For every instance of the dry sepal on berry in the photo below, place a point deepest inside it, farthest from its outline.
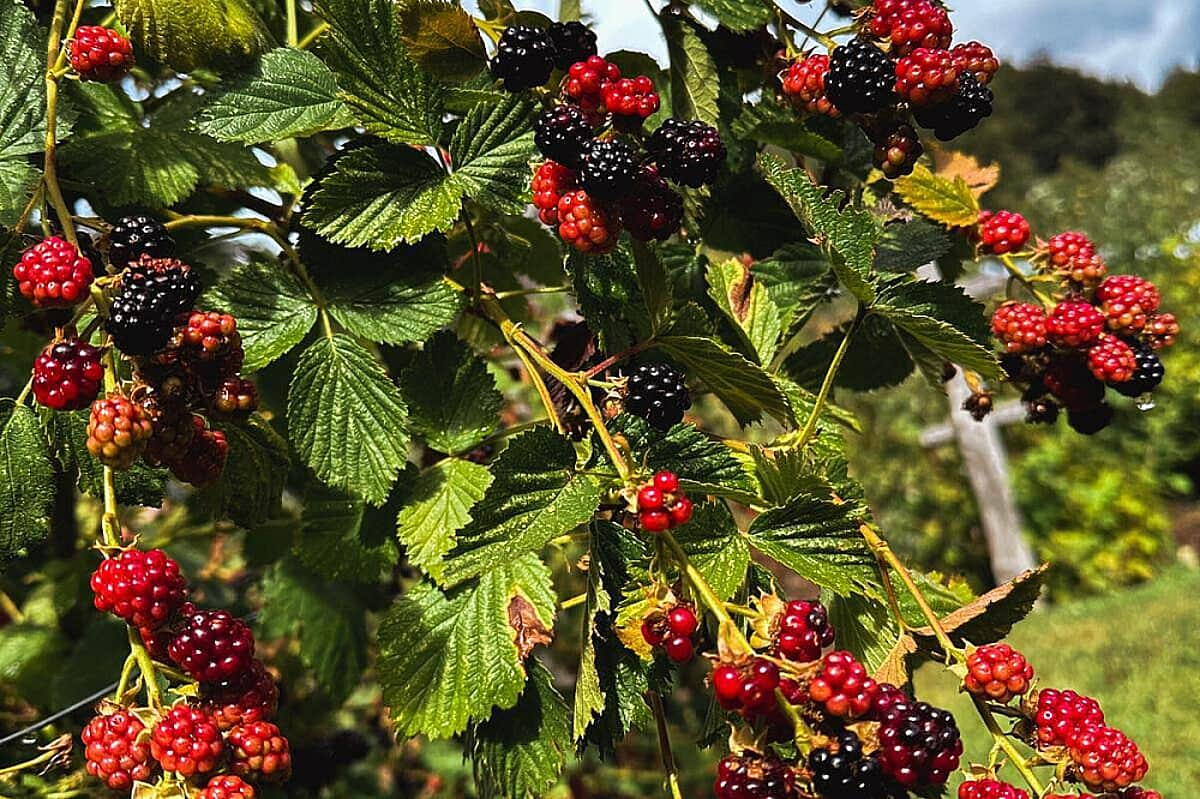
(919, 744)
(1112, 360)
(186, 740)
(661, 505)
(259, 752)
(976, 59)
(1127, 301)
(909, 24)
(688, 153)
(227, 786)
(67, 375)
(630, 101)
(843, 686)
(1105, 759)
(997, 672)
(245, 698)
(673, 631)
(586, 80)
(116, 750)
(143, 587)
(1020, 325)
(524, 58)
(804, 630)
(1075, 323)
(586, 224)
(211, 645)
(804, 84)
(861, 78)
(551, 181)
(926, 76)
(990, 789)
(1060, 715)
(751, 776)
(53, 273)
(1002, 232)
(118, 431)
(100, 54)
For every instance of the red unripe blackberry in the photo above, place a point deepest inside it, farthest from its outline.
(750, 776)
(562, 133)
(1112, 360)
(174, 427)
(688, 153)
(976, 59)
(804, 630)
(654, 521)
(236, 397)
(53, 273)
(118, 431)
(227, 786)
(804, 85)
(997, 672)
(909, 24)
(886, 697)
(259, 752)
(587, 225)
(1074, 257)
(843, 686)
(100, 54)
(757, 694)
(667, 482)
(572, 40)
(961, 112)
(650, 498)
(681, 511)
(679, 649)
(652, 210)
(1002, 232)
(1073, 384)
(205, 457)
(186, 740)
(1062, 714)
(212, 645)
(1075, 323)
(861, 78)
(144, 588)
(682, 621)
(1138, 792)
(926, 76)
(209, 335)
(1162, 330)
(630, 101)
(727, 685)
(919, 744)
(897, 150)
(1020, 325)
(67, 375)
(1105, 759)
(990, 789)
(660, 504)
(1127, 301)
(1147, 375)
(114, 754)
(242, 699)
(652, 633)
(524, 58)
(586, 80)
(550, 182)
(135, 236)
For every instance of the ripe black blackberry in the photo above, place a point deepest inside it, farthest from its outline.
(690, 153)
(960, 113)
(754, 777)
(524, 58)
(573, 41)
(657, 393)
(861, 78)
(1148, 375)
(652, 210)
(143, 314)
(1090, 421)
(134, 236)
(608, 169)
(846, 773)
(919, 745)
(562, 134)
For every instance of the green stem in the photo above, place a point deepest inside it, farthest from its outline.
(814, 418)
(126, 673)
(504, 295)
(573, 602)
(146, 667)
(540, 386)
(1001, 740)
(50, 166)
(24, 395)
(293, 32)
(1023, 279)
(704, 591)
(664, 743)
(311, 36)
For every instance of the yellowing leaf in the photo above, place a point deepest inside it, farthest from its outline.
(946, 200)
(981, 179)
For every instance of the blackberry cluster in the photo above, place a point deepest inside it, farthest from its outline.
(754, 777)
(135, 236)
(607, 169)
(688, 153)
(661, 505)
(144, 314)
(843, 771)
(672, 630)
(861, 78)
(803, 631)
(657, 393)
(918, 744)
(562, 134)
(525, 55)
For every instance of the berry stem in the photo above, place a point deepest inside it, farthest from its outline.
(539, 384)
(1023, 279)
(312, 36)
(572, 602)
(1002, 741)
(504, 295)
(25, 392)
(50, 166)
(146, 667)
(654, 700)
(705, 592)
(810, 426)
(810, 33)
(293, 31)
(612, 359)
(59, 66)
(123, 683)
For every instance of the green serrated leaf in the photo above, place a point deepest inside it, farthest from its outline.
(772, 123)
(438, 506)
(748, 304)
(393, 308)
(274, 311)
(26, 481)
(875, 359)
(694, 80)
(289, 93)
(610, 296)
(448, 658)
(491, 150)
(799, 278)
(910, 245)
(519, 752)
(251, 486)
(452, 398)
(201, 33)
(847, 235)
(329, 620)
(744, 387)
(67, 433)
(866, 628)
(704, 466)
(944, 319)
(655, 285)
(716, 547)
(737, 15)
(391, 95)
(331, 541)
(820, 541)
(533, 498)
(347, 419)
(442, 38)
(589, 696)
(950, 202)
(22, 82)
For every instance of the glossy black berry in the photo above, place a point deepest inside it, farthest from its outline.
(145, 311)
(689, 153)
(524, 58)
(134, 236)
(573, 41)
(919, 745)
(608, 169)
(652, 210)
(846, 773)
(658, 394)
(861, 78)
(960, 113)
(1041, 410)
(1090, 421)
(1148, 375)
(562, 134)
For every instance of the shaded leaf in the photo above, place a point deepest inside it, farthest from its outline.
(251, 486)
(908, 246)
(442, 38)
(273, 310)
(744, 387)
(944, 319)
(200, 33)
(26, 481)
(452, 398)
(716, 547)
(331, 542)
(704, 466)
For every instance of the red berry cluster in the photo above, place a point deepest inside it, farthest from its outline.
(661, 505)
(804, 630)
(54, 273)
(100, 54)
(843, 686)
(673, 631)
(1002, 232)
(997, 672)
(804, 84)
(749, 689)
(990, 789)
(225, 726)
(67, 375)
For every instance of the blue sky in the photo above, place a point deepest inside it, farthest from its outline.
(1135, 40)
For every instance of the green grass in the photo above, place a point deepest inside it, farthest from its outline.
(1137, 652)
